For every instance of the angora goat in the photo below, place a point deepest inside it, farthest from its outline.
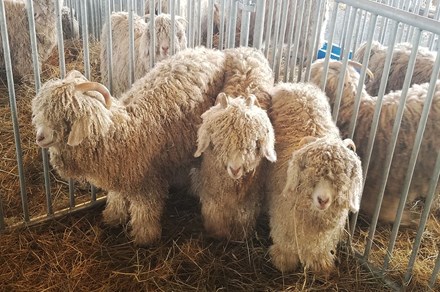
(136, 150)
(314, 184)
(236, 134)
(422, 69)
(235, 137)
(120, 46)
(411, 116)
(19, 38)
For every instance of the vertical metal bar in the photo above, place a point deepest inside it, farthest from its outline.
(199, 23)
(306, 41)
(222, 24)
(33, 38)
(377, 111)
(259, 18)
(357, 29)
(85, 39)
(278, 50)
(190, 30)
(210, 20)
(311, 56)
(173, 26)
(276, 32)
(131, 64)
(245, 19)
(13, 106)
(269, 27)
(424, 218)
(232, 24)
(431, 40)
(107, 10)
(392, 145)
(289, 41)
(329, 45)
(152, 30)
(298, 29)
(435, 272)
(414, 155)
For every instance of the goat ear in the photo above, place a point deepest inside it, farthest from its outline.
(350, 144)
(79, 131)
(268, 147)
(203, 140)
(222, 99)
(306, 140)
(182, 21)
(293, 171)
(251, 100)
(355, 194)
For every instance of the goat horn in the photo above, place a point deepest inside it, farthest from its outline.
(359, 65)
(95, 86)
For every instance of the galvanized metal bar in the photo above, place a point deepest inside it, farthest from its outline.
(278, 50)
(297, 37)
(344, 27)
(364, 25)
(435, 272)
(391, 146)
(131, 64)
(85, 39)
(345, 50)
(357, 30)
(199, 23)
(377, 110)
(245, 21)
(317, 20)
(431, 40)
(306, 41)
(109, 46)
(210, 20)
(59, 214)
(289, 42)
(414, 154)
(329, 45)
(269, 18)
(172, 12)
(232, 24)
(275, 34)
(152, 28)
(190, 27)
(360, 86)
(259, 18)
(423, 219)
(222, 25)
(412, 19)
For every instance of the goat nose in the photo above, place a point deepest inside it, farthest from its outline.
(322, 201)
(165, 49)
(40, 138)
(235, 171)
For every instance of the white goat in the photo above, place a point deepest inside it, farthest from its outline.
(136, 150)
(314, 184)
(422, 69)
(430, 144)
(19, 38)
(142, 37)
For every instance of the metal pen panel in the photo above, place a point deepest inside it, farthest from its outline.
(414, 154)
(13, 107)
(391, 147)
(277, 50)
(152, 29)
(290, 32)
(131, 64)
(297, 37)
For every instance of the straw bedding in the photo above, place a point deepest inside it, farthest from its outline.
(77, 252)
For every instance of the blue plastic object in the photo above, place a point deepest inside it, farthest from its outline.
(335, 54)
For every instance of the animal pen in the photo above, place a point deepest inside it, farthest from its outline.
(52, 237)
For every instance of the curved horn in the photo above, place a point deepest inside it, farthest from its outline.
(95, 86)
(359, 65)
(350, 144)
